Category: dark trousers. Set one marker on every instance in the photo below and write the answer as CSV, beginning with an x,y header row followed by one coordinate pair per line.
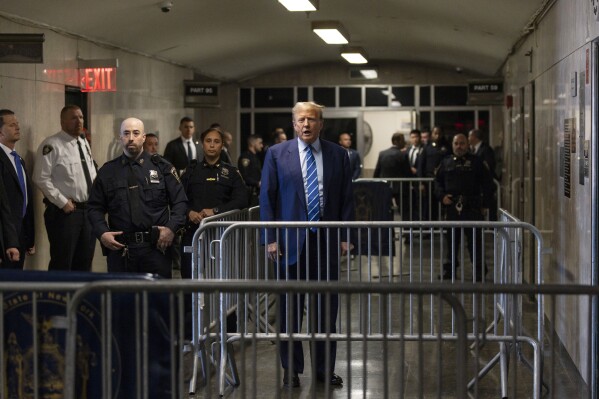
x,y
140,258
323,316
474,237
72,244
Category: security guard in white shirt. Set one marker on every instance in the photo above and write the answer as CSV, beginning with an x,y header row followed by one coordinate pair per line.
x,y
64,171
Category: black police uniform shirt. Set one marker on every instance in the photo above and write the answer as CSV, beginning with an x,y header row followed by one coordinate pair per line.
x,y
214,186
162,197
465,176
250,168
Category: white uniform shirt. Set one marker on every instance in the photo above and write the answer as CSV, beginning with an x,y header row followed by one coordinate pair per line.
x,y
58,172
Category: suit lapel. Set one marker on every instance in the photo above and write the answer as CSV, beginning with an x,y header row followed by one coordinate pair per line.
x,y
293,160
8,164
327,174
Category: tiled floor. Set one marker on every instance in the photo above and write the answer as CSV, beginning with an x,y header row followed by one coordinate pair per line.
x,y
407,369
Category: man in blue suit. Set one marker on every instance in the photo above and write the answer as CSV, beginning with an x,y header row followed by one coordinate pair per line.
x,y
303,254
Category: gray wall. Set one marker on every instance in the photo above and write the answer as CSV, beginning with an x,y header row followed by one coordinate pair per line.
x,y
559,50
148,89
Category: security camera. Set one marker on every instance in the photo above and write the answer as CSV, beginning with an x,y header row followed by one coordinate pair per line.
x,y
166,6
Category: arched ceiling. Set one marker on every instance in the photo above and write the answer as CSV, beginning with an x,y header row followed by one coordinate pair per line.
x,y
233,40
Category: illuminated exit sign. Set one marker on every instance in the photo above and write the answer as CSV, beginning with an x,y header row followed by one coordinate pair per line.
x,y
97,79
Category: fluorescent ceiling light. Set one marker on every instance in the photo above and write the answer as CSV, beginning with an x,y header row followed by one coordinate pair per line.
x,y
332,32
354,55
300,5
371,74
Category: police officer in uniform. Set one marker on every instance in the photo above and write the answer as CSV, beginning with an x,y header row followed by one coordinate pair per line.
x,y
64,171
464,186
250,167
145,202
212,187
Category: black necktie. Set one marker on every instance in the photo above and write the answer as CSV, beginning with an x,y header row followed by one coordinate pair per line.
x,y
88,178
137,218
189,153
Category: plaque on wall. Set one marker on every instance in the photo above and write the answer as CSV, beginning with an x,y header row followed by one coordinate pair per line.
x,y
485,93
22,48
201,94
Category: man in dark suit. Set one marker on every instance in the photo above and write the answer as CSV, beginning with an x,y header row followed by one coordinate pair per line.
x,y
355,162
16,210
185,148
302,254
484,151
393,162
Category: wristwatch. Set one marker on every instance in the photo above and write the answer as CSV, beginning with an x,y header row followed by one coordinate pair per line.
x,y
215,211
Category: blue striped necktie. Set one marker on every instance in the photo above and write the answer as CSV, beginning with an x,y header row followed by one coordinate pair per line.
x,y
312,187
19,168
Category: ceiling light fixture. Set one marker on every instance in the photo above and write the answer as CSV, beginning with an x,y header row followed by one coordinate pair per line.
x,y
332,32
300,5
354,55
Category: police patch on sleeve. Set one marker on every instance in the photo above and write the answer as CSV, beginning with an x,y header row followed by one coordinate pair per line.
x,y
47,149
174,173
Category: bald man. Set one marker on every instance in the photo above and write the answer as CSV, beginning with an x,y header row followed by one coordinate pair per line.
x,y
146,205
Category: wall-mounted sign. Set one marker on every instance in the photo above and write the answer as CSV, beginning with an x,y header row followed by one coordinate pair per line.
x,y
22,48
97,79
485,93
98,75
201,94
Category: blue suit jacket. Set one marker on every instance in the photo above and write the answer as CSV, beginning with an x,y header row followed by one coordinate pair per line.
x,y
282,196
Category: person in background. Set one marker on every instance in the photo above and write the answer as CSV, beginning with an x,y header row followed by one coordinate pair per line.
x,y
64,171
431,157
225,154
151,144
145,203
464,186
484,151
280,136
355,162
393,162
17,185
183,149
307,179
250,167
424,137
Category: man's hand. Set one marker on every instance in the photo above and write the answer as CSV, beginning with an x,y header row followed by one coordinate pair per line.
x,y
195,217
108,240
69,207
273,251
165,239
448,199
346,247
31,251
13,254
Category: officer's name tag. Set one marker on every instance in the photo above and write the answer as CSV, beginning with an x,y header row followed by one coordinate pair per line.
x,y
154,176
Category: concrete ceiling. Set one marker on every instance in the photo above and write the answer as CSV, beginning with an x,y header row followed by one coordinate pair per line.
x,y
233,40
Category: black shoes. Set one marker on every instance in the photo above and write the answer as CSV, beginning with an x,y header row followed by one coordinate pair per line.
x,y
290,381
293,381
336,381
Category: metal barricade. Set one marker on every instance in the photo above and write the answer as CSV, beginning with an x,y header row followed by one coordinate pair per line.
x,y
204,265
355,334
415,197
377,356
419,260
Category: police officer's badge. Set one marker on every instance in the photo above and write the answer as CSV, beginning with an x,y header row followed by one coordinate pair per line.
x,y
224,171
154,176
245,162
47,149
